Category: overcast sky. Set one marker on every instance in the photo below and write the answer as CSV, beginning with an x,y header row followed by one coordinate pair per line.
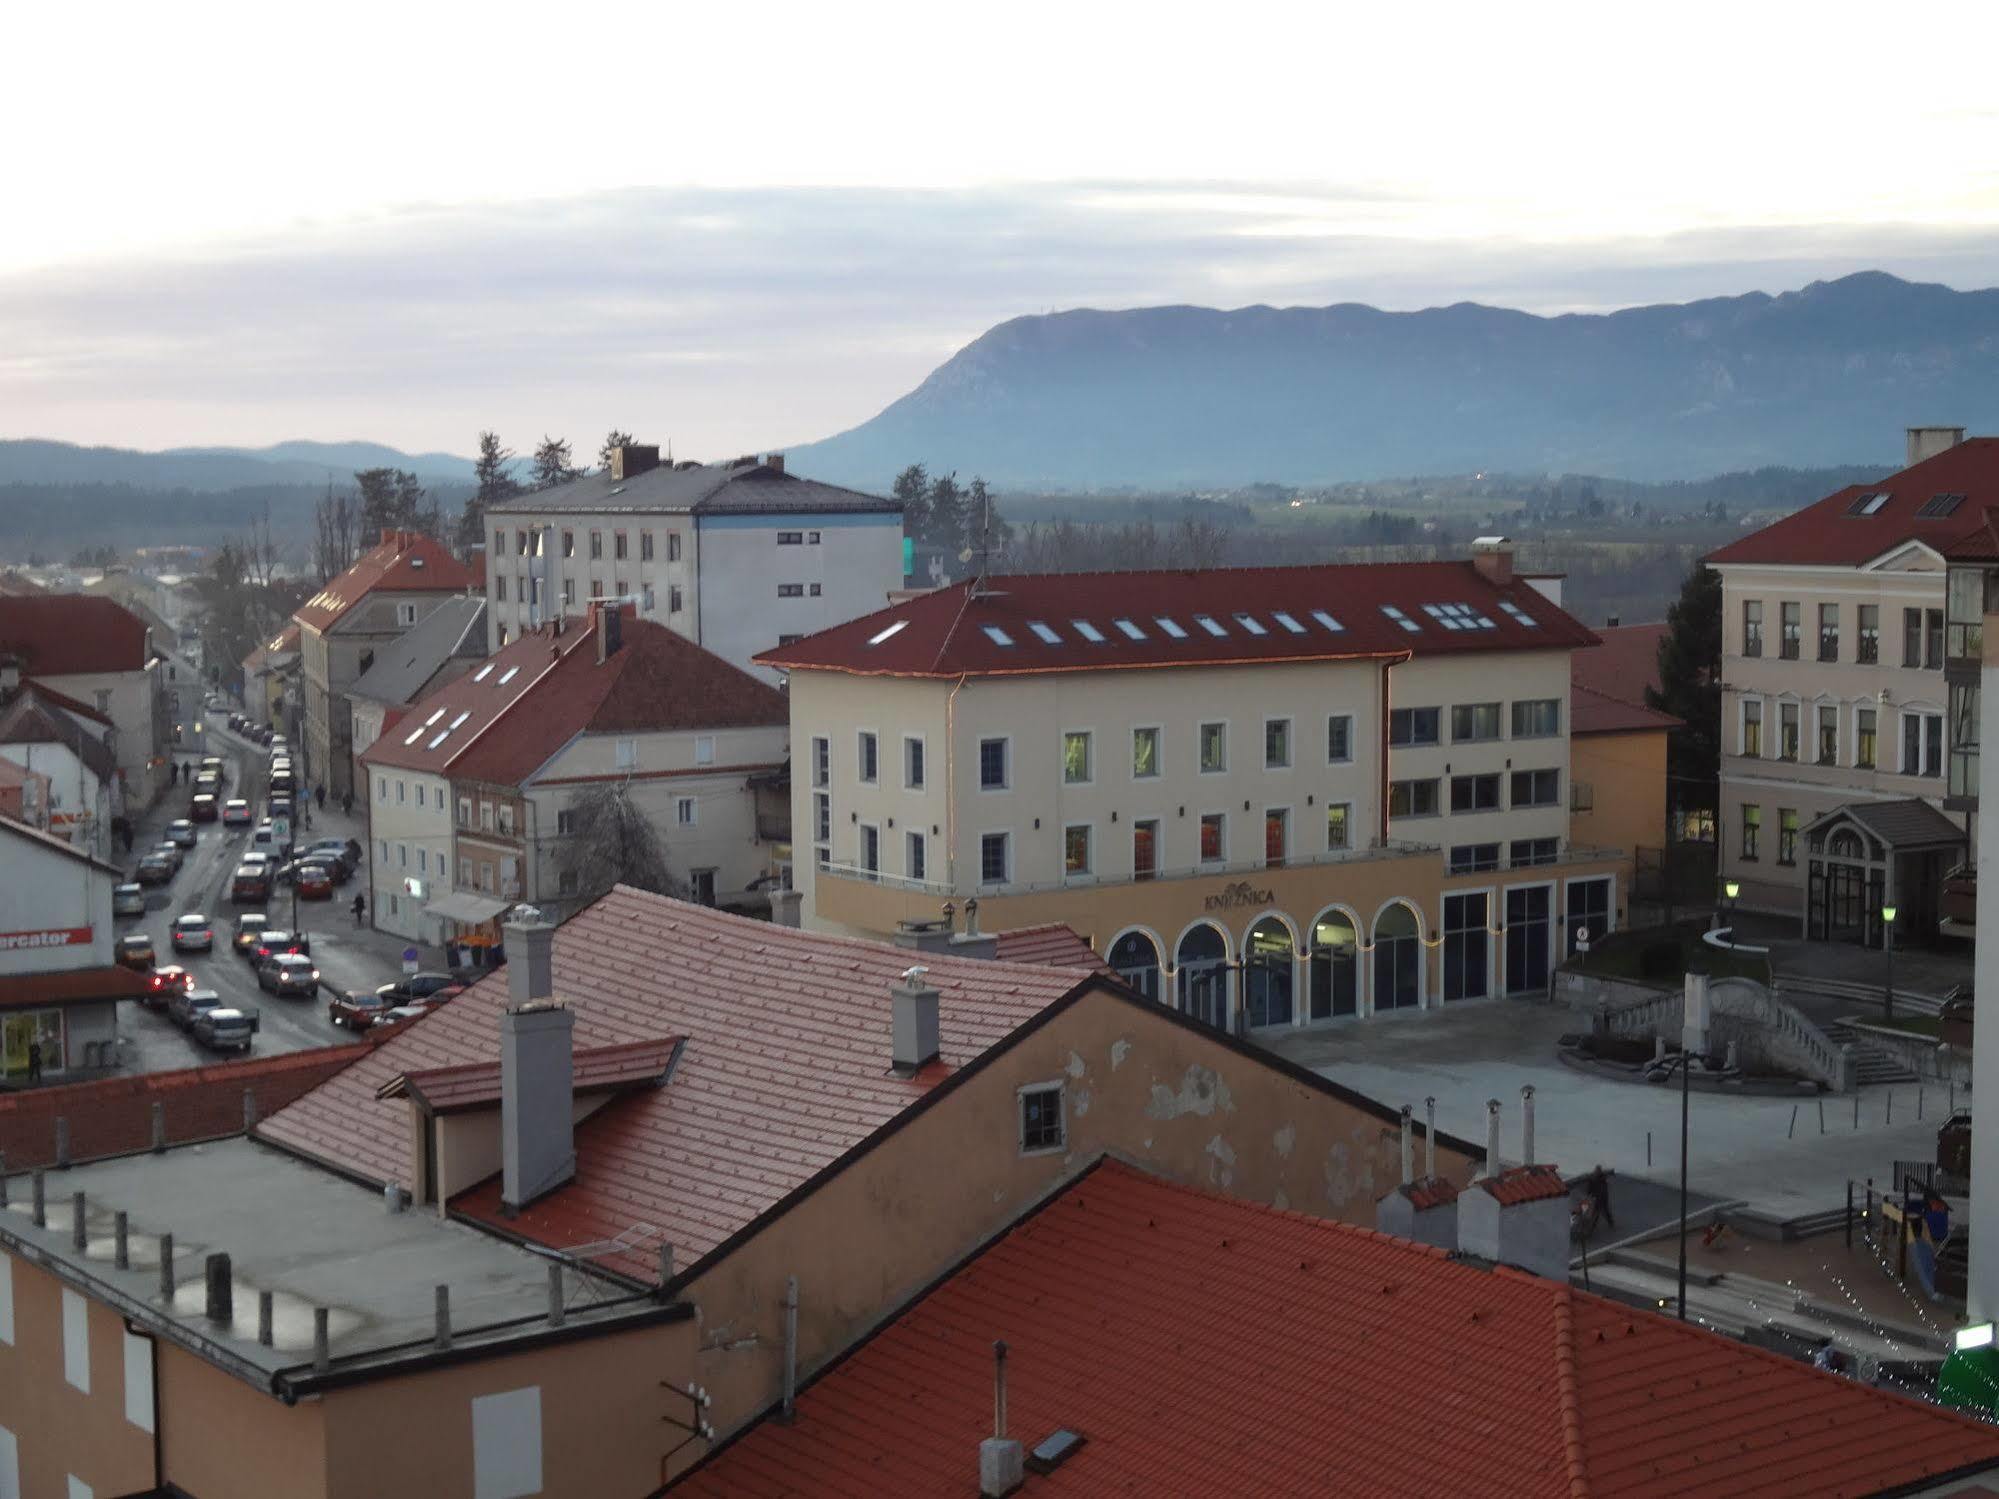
x,y
736,227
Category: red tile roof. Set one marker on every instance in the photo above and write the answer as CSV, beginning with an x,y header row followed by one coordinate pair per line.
x,y
1828,534
1053,944
1607,682
1519,1184
402,562
1433,1192
784,1070
71,634
544,689
1203,1345
944,633
475,1085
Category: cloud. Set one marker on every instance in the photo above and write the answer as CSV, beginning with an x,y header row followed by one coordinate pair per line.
x,y
732,319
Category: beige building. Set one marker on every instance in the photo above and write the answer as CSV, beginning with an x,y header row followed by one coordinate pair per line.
x,y
99,654
1845,748
1271,796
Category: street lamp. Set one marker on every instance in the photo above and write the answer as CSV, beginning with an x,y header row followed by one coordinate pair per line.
x,y
1888,946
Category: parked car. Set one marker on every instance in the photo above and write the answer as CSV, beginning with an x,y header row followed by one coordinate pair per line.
x,y
128,900
315,882
209,782
266,836
180,832
260,857
280,805
249,931
288,973
276,940
155,869
250,886
201,807
416,986
183,1006
166,981
171,852
134,950
224,1029
236,813
282,783
358,1009
215,764
192,933
346,850
278,743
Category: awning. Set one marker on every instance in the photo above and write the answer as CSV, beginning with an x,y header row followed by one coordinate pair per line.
x,y
75,986
467,906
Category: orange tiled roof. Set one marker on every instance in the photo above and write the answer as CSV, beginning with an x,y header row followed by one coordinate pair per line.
x,y
1607,682
1524,1184
1053,942
1208,1346
402,562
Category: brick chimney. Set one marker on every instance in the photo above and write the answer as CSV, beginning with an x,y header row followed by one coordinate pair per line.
x,y
774,462
633,459
610,624
1493,557
1927,442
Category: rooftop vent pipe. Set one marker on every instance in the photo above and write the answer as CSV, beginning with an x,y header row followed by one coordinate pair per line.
x,y
1002,1466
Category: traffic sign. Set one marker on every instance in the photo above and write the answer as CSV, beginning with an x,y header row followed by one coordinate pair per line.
x,y
281,831
409,960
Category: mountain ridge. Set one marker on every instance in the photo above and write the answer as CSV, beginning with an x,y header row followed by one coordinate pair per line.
x,y
34,460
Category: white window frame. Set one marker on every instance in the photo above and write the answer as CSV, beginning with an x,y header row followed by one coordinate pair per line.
x,y
1200,743
1346,847
862,739
1006,768
627,753
704,749
922,782
1089,757
822,762
686,811
1290,741
1089,870
1221,860
1331,718
1158,733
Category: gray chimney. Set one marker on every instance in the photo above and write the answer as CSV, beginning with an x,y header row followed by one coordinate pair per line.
x,y
1520,1218
1492,556
1002,1465
537,1092
1408,1145
785,907
925,934
1927,442
1491,1138
915,1021
530,943
1526,1124
633,459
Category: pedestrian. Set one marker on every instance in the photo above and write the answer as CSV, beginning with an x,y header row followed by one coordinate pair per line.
x,y
360,909
319,795
347,803
34,1061
1597,1189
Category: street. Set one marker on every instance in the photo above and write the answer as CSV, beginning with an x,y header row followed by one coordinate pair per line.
x,y
346,956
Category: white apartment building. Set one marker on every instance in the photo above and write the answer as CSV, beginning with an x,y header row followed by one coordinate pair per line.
x,y
1274,796
1849,738
409,824
739,557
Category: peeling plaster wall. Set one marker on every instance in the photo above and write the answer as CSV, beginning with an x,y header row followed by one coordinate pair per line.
x,y
1134,1082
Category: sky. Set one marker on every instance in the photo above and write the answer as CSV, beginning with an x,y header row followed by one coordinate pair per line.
x,y
733,228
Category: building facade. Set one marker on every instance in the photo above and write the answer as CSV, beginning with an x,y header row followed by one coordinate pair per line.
x,y
1272,797
99,654
738,557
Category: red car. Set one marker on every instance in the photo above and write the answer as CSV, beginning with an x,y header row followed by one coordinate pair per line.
x,y
314,883
358,1009
163,982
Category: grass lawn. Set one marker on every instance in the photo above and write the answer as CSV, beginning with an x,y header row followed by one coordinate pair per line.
x,y
1663,956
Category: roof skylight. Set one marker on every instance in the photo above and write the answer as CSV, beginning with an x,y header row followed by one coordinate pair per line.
x,y
1043,633
1088,631
1519,615
1287,621
414,735
442,735
507,676
1867,504
888,630
1251,623
1458,617
1209,623
1129,628
1402,619
1328,621
1937,506
433,718
483,672
998,636
461,718
1171,627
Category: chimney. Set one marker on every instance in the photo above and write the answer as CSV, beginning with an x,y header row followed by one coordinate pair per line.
x,y
1526,1124
1425,1211
1520,1218
925,934
1493,557
219,1297
1430,1138
530,945
631,460
1610,622
774,462
914,1021
610,630
537,1094
1002,1466
1927,442
785,908
1491,1138
1408,1145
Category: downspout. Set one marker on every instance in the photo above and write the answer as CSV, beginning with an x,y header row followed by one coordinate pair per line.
x,y
1381,779
951,785
700,593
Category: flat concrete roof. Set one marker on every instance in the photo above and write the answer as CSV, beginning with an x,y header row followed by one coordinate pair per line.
x,y
312,1239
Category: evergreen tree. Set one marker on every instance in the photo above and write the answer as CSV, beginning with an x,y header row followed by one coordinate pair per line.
x,y
495,482
1690,689
552,465
612,439
944,523
912,487
378,503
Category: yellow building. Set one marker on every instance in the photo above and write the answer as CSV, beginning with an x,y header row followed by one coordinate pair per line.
x,y
1617,745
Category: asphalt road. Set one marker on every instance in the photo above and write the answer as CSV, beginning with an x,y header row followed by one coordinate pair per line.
x,y
347,959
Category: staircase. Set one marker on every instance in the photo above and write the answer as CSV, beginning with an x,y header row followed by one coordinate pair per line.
x,y
1870,1063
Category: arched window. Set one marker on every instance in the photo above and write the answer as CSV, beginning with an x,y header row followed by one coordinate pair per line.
x,y
1267,973
1203,962
1845,844
1135,960
1335,966
1398,959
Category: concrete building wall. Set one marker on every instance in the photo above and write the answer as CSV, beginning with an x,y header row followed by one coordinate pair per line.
x,y
80,805
559,546
47,891
221,1439
1617,791
1133,1081
747,569
410,820
138,737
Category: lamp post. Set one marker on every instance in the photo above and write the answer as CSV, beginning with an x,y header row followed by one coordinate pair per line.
x,y
1686,1060
1729,892
1888,946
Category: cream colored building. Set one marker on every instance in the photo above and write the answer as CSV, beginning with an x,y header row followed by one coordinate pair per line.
x,y
1274,796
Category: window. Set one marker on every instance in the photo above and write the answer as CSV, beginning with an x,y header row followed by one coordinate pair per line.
x,y
1339,826
1042,632
1076,849
647,600
1964,610
704,749
1471,722
996,635
1287,621
500,588
822,827
465,811
1964,699
1537,718
402,792
871,849
568,590
673,599
1088,631
382,786
1791,626
1041,1118
992,764
913,855
1145,849
1828,632
812,538
596,546
788,639
569,543
1471,858
1171,627
672,546
1752,727
1787,835
912,763
618,552
565,883
1214,748
1144,754
1787,731
1863,738
1339,739
499,543
1076,769
1213,626
822,761
1752,828
791,590
683,811
645,546
1912,637
1214,837
1932,638
1412,726
1752,627
701,885
1478,793
1526,853
1412,798
423,861
1130,629
791,538
1828,716
870,751
812,589
1537,788
1276,836
503,635
464,873
993,860
406,614
1277,744
1582,796
1922,744
521,542
565,822
628,754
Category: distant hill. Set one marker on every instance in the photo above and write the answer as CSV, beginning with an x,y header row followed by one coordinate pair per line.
x,y
1180,396
37,461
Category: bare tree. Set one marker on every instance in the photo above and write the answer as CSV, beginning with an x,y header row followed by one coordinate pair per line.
x,y
260,552
335,520
612,842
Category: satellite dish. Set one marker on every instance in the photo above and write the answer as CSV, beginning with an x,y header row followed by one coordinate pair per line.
x,y
965,555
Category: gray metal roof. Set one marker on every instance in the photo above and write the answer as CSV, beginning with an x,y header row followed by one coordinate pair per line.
x,y
745,487
1910,823
456,627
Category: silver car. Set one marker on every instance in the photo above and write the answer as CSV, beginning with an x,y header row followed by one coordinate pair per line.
x,y
128,900
224,1029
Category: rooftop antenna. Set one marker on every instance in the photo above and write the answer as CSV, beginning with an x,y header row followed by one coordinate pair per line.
x,y
984,550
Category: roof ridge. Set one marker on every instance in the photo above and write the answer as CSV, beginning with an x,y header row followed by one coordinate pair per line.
x,y
1568,1391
